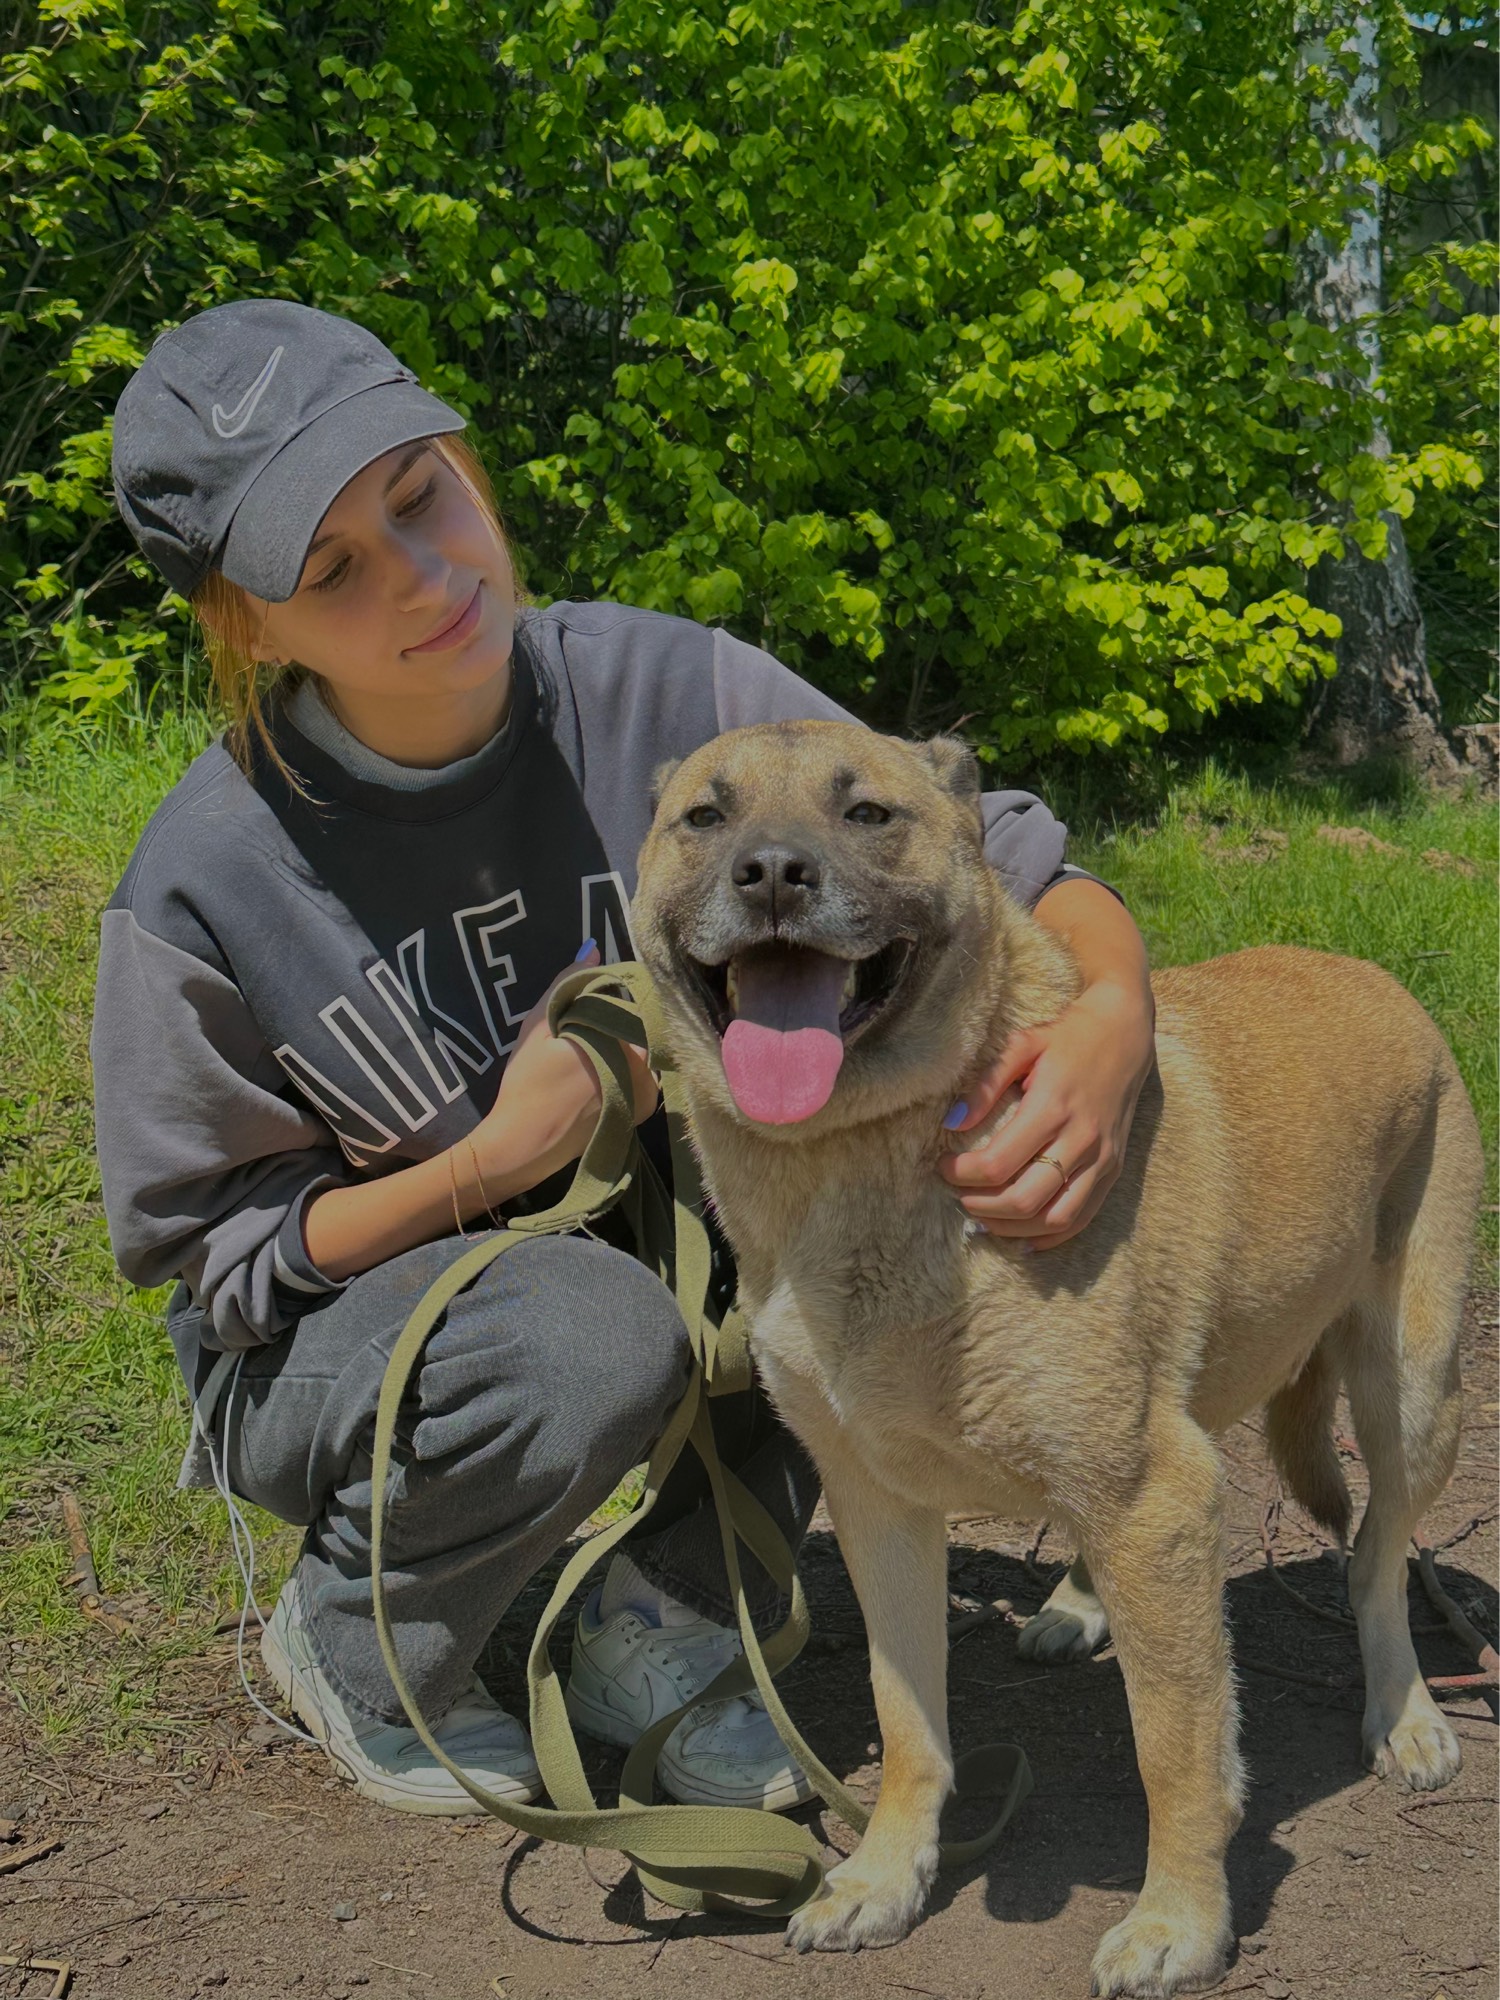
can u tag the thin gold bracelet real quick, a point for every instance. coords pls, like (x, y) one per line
(458, 1221)
(484, 1193)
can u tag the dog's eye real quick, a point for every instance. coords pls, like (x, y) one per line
(702, 817)
(867, 813)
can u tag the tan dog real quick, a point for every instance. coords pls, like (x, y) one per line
(836, 959)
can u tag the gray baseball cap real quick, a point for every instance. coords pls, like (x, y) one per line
(240, 429)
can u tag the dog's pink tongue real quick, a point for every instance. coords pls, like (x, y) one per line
(782, 1051)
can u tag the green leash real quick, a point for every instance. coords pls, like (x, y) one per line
(694, 1857)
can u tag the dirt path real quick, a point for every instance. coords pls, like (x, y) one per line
(231, 1866)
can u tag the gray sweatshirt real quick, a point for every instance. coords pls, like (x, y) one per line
(297, 995)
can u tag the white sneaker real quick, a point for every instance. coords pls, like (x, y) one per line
(628, 1673)
(386, 1760)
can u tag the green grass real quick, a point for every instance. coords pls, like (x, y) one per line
(1205, 879)
(89, 1391)
(90, 1396)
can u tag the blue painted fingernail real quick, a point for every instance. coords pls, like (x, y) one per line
(1026, 1249)
(584, 949)
(956, 1116)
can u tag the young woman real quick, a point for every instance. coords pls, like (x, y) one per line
(321, 1055)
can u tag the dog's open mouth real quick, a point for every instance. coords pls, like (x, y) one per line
(785, 1014)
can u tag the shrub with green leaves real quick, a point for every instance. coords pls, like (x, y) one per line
(942, 350)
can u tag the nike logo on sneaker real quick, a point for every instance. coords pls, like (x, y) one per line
(633, 1702)
(229, 423)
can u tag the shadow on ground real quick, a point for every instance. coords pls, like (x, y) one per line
(1086, 1823)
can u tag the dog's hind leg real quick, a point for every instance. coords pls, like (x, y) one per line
(1159, 1565)
(898, 1558)
(1400, 1364)
(1070, 1625)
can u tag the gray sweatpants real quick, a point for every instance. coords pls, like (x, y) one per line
(541, 1386)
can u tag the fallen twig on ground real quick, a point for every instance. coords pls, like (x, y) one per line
(968, 1621)
(84, 1573)
(1432, 1832)
(23, 1856)
(779, 1959)
(85, 1578)
(1480, 1650)
(230, 1622)
(666, 1938)
(116, 1923)
(1469, 1527)
(1293, 1674)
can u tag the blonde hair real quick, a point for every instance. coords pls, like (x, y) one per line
(233, 630)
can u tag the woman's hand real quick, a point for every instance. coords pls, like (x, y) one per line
(548, 1102)
(542, 1118)
(1080, 1076)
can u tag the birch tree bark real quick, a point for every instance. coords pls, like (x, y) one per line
(1382, 700)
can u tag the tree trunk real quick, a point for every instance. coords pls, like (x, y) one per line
(1381, 701)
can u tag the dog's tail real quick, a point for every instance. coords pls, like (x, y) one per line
(1299, 1431)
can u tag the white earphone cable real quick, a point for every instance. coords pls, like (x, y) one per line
(243, 1543)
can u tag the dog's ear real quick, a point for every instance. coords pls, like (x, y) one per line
(953, 764)
(661, 777)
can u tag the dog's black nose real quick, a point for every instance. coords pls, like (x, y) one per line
(774, 877)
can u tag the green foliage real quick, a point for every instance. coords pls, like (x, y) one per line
(942, 350)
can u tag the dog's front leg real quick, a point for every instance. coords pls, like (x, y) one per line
(1158, 1565)
(897, 1555)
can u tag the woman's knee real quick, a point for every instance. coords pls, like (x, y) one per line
(561, 1337)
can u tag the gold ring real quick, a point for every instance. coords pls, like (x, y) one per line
(1046, 1160)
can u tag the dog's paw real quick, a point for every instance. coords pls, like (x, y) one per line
(1421, 1750)
(1163, 1948)
(1066, 1628)
(857, 1909)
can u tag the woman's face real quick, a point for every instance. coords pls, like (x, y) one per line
(406, 591)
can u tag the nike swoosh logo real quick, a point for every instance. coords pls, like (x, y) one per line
(633, 1703)
(229, 423)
